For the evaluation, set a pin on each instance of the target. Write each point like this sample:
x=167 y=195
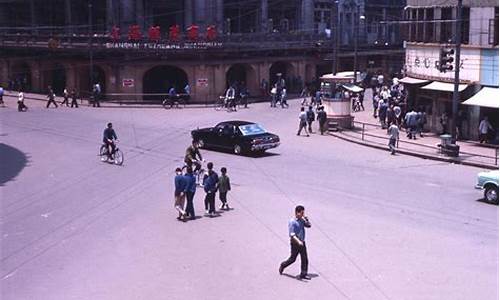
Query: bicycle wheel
x=103 y=153
x=218 y=105
x=166 y=104
x=118 y=157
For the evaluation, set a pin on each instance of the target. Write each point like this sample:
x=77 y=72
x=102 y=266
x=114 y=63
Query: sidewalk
x=367 y=131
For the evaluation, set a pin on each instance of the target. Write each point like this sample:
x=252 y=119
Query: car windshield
x=251 y=129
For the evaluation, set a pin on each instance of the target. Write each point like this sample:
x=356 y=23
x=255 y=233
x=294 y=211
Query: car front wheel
x=491 y=194
x=237 y=149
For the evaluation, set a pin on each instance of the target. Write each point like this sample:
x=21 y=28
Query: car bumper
x=264 y=146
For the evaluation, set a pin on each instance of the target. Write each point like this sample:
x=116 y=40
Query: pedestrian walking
x=190 y=190
x=375 y=101
x=443 y=120
x=20 y=102
x=96 y=91
x=65 y=97
x=1 y=97
x=297 y=234
x=382 y=113
x=484 y=129
x=322 y=119
x=224 y=187
x=393 y=132
x=210 y=182
x=302 y=121
x=51 y=98
x=310 y=118
x=180 y=197
x=411 y=120
x=74 y=103
x=422 y=120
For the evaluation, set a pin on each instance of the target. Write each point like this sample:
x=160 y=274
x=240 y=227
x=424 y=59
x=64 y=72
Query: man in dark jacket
x=190 y=190
x=310 y=118
x=210 y=182
x=322 y=119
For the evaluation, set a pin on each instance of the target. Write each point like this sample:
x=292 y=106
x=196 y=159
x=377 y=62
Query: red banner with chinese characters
x=192 y=32
x=211 y=33
x=115 y=33
x=174 y=32
x=154 y=33
x=134 y=33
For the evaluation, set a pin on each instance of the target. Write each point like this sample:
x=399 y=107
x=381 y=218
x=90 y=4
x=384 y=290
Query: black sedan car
x=237 y=136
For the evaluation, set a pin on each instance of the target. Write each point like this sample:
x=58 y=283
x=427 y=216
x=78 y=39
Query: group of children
x=185 y=189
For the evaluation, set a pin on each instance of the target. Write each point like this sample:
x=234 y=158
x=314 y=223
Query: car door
x=225 y=136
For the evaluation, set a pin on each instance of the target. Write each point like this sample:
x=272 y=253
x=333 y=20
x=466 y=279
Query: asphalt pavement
x=383 y=227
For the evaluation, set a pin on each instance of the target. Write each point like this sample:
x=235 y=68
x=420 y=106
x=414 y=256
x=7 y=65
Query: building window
x=420 y=25
x=429 y=26
x=493 y=30
x=446 y=27
x=465 y=25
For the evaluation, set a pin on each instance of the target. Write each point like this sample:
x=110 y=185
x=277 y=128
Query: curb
x=416 y=154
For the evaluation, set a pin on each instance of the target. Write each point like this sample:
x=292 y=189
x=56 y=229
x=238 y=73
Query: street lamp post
x=334 y=20
x=456 y=93
x=91 y=54
x=356 y=36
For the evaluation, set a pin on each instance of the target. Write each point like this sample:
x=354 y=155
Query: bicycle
x=197 y=174
x=116 y=156
x=169 y=103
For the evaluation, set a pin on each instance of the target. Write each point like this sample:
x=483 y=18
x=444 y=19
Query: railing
x=360 y=128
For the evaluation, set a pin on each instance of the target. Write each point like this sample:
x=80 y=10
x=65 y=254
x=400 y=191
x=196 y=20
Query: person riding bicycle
x=192 y=153
x=109 y=138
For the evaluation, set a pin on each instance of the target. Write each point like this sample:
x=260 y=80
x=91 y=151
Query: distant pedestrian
x=190 y=190
x=443 y=120
x=302 y=121
x=297 y=234
x=96 y=95
x=310 y=118
x=180 y=197
x=411 y=120
x=322 y=117
x=484 y=129
x=382 y=113
x=224 y=187
x=20 y=102
x=65 y=97
x=422 y=120
x=51 y=98
x=210 y=182
x=1 y=97
x=74 y=103
x=393 y=132
x=375 y=101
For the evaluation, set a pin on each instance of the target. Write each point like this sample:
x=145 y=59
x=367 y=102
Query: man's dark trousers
x=51 y=101
x=210 y=202
x=296 y=249
x=189 y=205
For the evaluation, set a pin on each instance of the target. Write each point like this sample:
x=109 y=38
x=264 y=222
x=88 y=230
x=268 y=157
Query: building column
x=126 y=14
x=188 y=13
x=33 y=16
x=264 y=16
x=307 y=15
x=139 y=14
x=200 y=14
x=219 y=19
x=68 y=18
x=111 y=18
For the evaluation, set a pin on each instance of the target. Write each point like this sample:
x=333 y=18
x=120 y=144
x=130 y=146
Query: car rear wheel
x=491 y=194
x=237 y=149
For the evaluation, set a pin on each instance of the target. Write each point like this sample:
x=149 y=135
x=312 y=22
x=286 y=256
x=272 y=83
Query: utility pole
x=335 y=35
x=456 y=93
x=91 y=54
x=356 y=33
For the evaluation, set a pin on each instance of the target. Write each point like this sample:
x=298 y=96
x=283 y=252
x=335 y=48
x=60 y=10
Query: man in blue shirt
x=296 y=229
x=180 y=197
x=189 y=190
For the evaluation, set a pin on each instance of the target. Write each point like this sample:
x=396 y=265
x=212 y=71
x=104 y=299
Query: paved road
x=384 y=227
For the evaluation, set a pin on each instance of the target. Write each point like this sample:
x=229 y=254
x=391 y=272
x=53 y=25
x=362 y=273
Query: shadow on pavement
x=482 y=200
x=12 y=162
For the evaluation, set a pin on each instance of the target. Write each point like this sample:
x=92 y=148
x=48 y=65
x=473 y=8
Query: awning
x=411 y=80
x=353 y=88
x=443 y=86
x=486 y=97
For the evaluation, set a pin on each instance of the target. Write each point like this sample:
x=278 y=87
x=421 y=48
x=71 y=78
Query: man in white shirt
x=302 y=121
x=393 y=132
x=484 y=128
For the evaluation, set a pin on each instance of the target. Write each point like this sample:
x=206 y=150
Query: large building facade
x=431 y=28
x=67 y=43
